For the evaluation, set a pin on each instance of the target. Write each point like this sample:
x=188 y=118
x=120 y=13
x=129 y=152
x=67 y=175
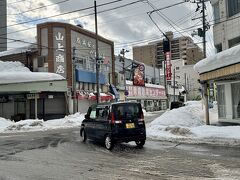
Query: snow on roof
x=23 y=49
x=222 y=59
x=19 y=77
x=15 y=72
x=11 y=66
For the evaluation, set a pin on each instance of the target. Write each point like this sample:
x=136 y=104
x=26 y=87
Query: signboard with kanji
x=59 y=51
x=168 y=66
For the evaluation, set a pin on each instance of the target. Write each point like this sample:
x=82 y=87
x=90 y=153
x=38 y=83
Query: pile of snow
x=7 y=126
x=4 y=123
x=188 y=116
x=186 y=124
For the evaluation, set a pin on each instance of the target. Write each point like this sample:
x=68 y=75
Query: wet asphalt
x=60 y=154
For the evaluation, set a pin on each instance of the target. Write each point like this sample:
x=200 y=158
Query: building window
x=177 y=68
x=218 y=47
x=234 y=42
x=221 y=101
x=233 y=7
x=236 y=100
x=216 y=12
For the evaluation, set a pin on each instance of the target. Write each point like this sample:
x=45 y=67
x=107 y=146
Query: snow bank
x=186 y=124
x=4 y=123
x=7 y=126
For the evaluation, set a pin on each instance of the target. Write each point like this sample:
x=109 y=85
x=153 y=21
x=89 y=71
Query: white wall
x=192 y=84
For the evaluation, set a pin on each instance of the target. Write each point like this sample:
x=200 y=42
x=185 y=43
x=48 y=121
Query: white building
x=226 y=29
x=186 y=77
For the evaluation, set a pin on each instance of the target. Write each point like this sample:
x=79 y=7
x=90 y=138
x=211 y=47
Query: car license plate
x=130 y=125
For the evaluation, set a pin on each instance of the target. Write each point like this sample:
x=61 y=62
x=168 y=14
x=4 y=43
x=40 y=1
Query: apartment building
x=181 y=48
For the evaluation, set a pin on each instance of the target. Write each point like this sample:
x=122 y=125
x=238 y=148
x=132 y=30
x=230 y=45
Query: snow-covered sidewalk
x=186 y=125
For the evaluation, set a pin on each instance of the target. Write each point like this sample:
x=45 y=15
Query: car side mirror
x=87 y=116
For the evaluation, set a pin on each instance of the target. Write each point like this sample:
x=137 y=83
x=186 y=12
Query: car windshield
x=127 y=111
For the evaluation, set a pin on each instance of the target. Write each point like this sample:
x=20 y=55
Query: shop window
x=236 y=100
x=216 y=12
x=234 y=42
x=221 y=101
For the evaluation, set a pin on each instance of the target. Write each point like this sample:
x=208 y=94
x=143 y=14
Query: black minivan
x=114 y=123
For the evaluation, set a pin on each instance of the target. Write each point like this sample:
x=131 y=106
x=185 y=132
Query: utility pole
x=74 y=80
x=97 y=54
x=202 y=33
x=122 y=59
x=204 y=28
x=205 y=86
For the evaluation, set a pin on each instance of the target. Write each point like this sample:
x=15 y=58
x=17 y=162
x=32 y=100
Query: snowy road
x=60 y=155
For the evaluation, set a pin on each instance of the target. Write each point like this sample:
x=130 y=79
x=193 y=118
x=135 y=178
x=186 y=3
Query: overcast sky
x=128 y=24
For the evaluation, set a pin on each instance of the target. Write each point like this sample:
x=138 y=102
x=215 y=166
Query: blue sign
x=90 y=77
x=126 y=93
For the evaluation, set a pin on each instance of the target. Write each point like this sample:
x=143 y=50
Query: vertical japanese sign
x=59 y=49
x=139 y=75
x=168 y=66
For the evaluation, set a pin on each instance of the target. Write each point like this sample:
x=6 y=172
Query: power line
x=70 y=12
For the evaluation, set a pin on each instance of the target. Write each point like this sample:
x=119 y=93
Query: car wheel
x=140 y=143
x=83 y=135
x=108 y=142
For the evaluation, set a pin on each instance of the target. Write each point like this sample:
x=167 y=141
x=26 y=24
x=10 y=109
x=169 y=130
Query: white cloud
x=127 y=24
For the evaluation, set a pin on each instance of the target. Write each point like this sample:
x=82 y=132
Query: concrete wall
x=228 y=28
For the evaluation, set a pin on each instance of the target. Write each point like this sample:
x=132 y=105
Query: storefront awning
x=103 y=96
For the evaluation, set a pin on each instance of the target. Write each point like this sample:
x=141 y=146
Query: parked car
x=176 y=104
x=114 y=123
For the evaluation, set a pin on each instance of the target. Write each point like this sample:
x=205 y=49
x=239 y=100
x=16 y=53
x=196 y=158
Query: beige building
x=145 y=54
x=181 y=48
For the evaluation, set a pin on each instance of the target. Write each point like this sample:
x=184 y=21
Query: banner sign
x=145 y=91
x=168 y=66
x=139 y=75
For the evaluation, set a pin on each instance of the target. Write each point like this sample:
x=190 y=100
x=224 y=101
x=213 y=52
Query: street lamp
x=122 y=59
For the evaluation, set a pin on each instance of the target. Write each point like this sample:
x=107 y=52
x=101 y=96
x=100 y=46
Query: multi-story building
x=226 y=29
x=181 y=48
x=145 y=54
x=3 y=25
x=70 y=51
